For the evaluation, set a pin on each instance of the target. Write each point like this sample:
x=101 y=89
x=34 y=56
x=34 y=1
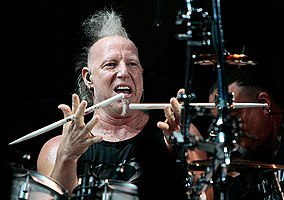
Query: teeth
x=123 y=88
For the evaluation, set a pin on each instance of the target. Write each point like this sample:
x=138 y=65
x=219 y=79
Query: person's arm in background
x=171 y=124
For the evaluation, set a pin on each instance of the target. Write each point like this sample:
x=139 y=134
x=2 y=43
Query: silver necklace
x=109 y=134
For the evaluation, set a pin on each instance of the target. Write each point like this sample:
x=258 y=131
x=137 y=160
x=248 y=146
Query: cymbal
x=230 y=59
x=236 y=165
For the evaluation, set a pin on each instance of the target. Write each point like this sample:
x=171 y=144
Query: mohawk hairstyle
x=103 y=23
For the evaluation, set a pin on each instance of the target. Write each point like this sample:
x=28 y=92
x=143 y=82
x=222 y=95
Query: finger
x=180 y=91
x=176 y=107
x=169 y=113
x=79 y=115
x=180 y=96
x=164 y=126
x=170 y=121
x=65 y=109
x=75 y=103
x=94 y=139
x=90 y=125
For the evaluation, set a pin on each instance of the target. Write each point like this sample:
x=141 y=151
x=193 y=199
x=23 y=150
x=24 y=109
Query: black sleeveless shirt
x=143 y=160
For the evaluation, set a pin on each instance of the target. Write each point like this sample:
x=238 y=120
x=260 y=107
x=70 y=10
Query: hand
x=172 y=114
x=76 y=136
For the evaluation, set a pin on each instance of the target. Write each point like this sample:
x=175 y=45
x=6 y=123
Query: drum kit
x=27 y=184
x=31 y=185
x=93 y=188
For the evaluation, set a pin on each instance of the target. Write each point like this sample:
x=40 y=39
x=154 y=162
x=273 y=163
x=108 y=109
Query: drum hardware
x=277 y=187
x=93 y=188
x=238 y=165
x=224 y=141
x=31 y=185
x=87 y=188
x=119 y=190
x=198 y=34
x=194 y=37
x=198 y=24
x=25 y=189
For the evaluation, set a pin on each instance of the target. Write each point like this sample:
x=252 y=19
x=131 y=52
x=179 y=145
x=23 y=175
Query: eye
x=109 y=65
x=132 y=64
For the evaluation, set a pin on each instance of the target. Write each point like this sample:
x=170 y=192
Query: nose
x=123 y=71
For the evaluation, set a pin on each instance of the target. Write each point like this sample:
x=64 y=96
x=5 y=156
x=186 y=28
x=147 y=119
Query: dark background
x=40 y=39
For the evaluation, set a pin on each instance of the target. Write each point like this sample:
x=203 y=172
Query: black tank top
x=143 y=160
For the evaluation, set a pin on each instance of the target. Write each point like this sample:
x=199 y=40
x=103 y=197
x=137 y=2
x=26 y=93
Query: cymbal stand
x=223 y=146
x=197 y=35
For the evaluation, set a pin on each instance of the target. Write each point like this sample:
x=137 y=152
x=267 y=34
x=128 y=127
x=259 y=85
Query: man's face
x=253 y=120
x=115 y=67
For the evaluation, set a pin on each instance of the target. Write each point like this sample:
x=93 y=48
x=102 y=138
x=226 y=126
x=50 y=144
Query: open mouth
x=123 y=89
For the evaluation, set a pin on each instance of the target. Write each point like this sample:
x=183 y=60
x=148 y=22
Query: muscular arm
x=58 y=156
x=61 y=169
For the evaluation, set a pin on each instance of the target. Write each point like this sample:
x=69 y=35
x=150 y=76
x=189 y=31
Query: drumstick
x=68 y=119
x=150 y=106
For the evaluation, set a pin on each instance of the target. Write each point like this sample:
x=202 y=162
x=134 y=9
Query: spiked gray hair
x=97 y=26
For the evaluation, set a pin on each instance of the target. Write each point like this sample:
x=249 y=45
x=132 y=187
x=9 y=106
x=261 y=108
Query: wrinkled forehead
x=113 y=43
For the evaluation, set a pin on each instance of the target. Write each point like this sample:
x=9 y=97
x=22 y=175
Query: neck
x=118 y=129
x=116 y=120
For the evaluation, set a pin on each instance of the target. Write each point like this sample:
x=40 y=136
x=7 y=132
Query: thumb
x=65 y=109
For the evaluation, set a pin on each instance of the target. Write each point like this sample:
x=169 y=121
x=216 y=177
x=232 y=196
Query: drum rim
x=131 y=188
x=39 y=178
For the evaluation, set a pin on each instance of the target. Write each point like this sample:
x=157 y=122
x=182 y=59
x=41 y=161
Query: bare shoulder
x=50 y=146
x=47 y=155
x=52 y=142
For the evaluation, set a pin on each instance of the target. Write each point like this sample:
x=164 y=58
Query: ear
x=87 y=77
x=264 y=97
